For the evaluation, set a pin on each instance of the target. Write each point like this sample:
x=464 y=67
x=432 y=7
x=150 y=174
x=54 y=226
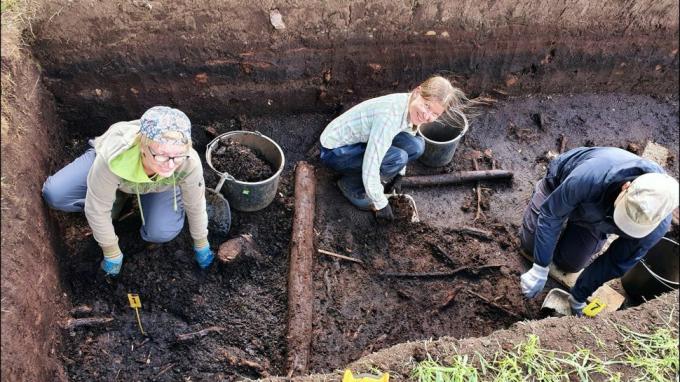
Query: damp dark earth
x=443 y=277
x=455 y=273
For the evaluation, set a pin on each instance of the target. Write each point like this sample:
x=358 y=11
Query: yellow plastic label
x=135 y=302
x=595 y=307
x=348 y=377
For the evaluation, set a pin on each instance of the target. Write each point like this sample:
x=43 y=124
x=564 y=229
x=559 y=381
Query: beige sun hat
x=648 y=200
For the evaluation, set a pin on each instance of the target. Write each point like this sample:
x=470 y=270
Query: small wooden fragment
x=201 y=333
x=442 y=256
x=475 y=232
x=80 y=310
x=438 y=274
x=75 y=323
x=450 y=299
x=332 y=254
x=563 y=143
x=233 y=248
x=497 y=306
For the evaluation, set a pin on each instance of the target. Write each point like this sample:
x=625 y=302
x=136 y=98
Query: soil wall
x=32 y=297
x=108 y=61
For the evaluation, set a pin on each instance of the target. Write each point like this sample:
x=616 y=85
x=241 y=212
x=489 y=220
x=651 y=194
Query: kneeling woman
x=375 y=139
x=151 y=158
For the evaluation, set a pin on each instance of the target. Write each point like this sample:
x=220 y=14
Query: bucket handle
x=223 y=177
x=660 y=279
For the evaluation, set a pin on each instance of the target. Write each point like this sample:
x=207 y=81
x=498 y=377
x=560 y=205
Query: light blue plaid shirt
x=375 y=122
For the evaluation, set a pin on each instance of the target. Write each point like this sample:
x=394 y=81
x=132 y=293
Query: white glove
x=534 y=280
x=576 y=306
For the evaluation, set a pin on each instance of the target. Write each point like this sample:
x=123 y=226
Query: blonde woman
x=372 y=142
x=151 y=158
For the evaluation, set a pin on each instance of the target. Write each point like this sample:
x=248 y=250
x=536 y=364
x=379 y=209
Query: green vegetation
x=654 y=356
x=6 y=5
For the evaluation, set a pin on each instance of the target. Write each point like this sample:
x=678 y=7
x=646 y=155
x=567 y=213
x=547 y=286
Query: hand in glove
x=384 y=214
x=204 y=256
x=576 y=306
x=394 y=185
x=533 y=281
x=112 y=263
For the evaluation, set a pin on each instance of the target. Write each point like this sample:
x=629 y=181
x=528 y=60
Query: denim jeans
x=348 y=160
x=66 y=190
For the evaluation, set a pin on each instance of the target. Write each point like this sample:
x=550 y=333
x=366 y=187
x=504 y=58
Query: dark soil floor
x=358 y=308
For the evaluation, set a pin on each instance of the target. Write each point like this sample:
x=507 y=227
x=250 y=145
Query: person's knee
x=395 y=160
x=56 y=197
x=160 y=234
x=417 y=148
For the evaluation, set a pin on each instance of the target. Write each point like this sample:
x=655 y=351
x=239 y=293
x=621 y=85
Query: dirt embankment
x=217 y=59
x=566 y=334
x=32 y=300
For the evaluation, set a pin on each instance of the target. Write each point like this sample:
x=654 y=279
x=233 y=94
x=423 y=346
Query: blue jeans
x=348 y=160
x=66 y=190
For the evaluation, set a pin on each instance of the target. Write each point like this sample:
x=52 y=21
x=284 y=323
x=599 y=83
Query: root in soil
x=242 y=162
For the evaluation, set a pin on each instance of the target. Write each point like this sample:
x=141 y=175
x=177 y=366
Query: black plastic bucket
x=441 y=139
x=656 y=274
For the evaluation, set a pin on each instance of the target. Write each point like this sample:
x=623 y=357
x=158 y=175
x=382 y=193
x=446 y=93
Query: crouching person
x=372 y=142
x=587 y=194
x=151 y=158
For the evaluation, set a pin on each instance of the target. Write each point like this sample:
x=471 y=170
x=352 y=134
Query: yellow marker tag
x=348 y=377
x=595 y=307
x=134 y=300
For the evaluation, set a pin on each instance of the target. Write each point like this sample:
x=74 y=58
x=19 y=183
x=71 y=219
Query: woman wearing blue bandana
x=151 y=158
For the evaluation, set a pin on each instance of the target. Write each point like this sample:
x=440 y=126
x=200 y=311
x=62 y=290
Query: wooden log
x=456 y=178
x=301 y=262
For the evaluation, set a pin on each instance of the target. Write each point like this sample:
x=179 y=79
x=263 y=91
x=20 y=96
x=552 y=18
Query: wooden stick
x=438 y=274
x=75 y=323
x=201 y=333
x=450 y=298
x=474 y=231
x=442 y=256
x=456 y=178
x=329 y=253
x=300 y=288
x=513 y=314
x=478 y=189
x=563 y=143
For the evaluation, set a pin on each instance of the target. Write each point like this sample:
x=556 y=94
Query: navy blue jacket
x=583 y=185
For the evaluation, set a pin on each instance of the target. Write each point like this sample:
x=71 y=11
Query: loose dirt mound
x=242 y=162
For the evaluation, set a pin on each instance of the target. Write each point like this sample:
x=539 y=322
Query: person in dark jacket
x=588 y=193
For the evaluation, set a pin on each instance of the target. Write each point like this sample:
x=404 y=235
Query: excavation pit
x=453 y=274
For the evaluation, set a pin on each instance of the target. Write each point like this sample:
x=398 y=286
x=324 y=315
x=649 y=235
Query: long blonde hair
x=439 y=89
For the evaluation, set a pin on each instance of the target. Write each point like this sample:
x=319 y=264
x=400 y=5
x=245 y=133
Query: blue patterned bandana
x=161 y=119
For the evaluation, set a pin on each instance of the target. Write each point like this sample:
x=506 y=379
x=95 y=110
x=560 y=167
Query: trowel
x=556 y=303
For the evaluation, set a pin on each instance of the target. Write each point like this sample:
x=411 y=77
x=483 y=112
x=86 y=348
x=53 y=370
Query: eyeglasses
x=164 y=158
x=428 y=109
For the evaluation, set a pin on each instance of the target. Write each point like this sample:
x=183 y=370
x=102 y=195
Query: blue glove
x=111 y=264
x=576 y=306
x=204 y=256
x=533 y=281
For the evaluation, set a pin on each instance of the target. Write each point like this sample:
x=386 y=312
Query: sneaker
x=353 y=189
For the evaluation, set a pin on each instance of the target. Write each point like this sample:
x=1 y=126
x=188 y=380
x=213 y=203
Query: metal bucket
x=249 y=196
x=657 y=273
x=441 y=139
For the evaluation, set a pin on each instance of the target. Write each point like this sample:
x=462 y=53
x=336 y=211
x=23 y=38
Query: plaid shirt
x=375 y=122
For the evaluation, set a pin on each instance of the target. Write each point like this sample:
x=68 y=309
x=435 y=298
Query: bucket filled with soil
x=249 y=165
x=441 y=139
